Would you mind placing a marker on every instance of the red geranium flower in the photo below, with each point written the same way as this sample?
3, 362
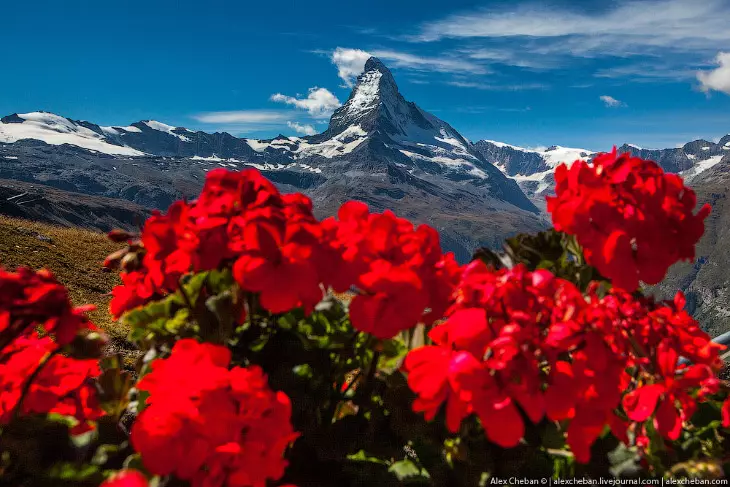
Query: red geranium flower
210, 425
633, 220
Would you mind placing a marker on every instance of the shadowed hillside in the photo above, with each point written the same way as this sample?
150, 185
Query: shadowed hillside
39, 202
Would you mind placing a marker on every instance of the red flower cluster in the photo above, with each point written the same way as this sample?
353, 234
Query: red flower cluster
210, 425
528, 340
401, 273
36, 321
29, 299
273, 242
632, 220
278, 249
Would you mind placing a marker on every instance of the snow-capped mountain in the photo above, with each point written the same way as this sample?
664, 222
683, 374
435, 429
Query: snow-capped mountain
533, 169
378, 148
689, 160
375, 132
56, 130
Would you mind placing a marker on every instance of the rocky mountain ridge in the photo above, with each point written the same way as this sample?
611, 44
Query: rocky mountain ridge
378, 148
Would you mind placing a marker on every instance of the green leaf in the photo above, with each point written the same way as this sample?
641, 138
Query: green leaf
394, 350
145, 368
114, 385
304, 371
177, 322
151, 311
193, 285
71, 471
220, 280
259, 344
406, 469
624, 461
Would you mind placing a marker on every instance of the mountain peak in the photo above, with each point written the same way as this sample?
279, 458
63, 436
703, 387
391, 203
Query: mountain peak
375, 64
375, 104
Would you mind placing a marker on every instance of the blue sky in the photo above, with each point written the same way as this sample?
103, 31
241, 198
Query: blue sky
582, 74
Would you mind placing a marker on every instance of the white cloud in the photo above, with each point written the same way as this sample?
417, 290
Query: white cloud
304, 129
653, 22
629, 28
649, 72
243, 116
351, 62
444, 64
494, 87
611, 102
717, 79
320, 102
509, 56
241, 122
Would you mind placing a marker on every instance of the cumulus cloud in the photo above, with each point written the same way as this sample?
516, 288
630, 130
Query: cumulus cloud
717, 79
611, 102
320, 102
351, 62
304, 129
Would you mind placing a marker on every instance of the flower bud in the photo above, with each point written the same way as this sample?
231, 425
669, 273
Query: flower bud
119, 236
113, 259
89, 344
130, 262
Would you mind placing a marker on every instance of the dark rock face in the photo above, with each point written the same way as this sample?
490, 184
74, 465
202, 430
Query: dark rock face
679, 159
14, 118
515, 161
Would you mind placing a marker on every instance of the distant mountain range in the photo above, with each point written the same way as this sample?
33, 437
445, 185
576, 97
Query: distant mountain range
533, 169
378, 148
